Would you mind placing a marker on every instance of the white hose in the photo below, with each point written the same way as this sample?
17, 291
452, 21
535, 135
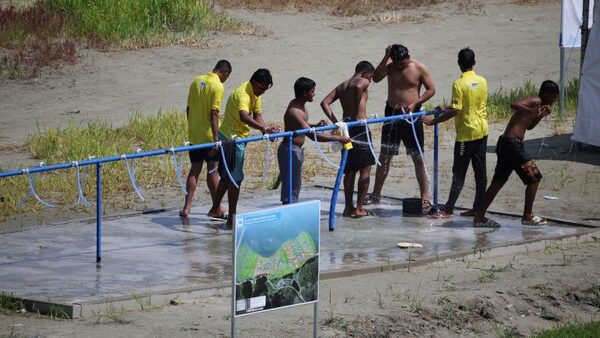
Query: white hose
178, 163
31, 178
321, 152
369, 142
220, 145
412, 121
131, 173
267, 158
81, 198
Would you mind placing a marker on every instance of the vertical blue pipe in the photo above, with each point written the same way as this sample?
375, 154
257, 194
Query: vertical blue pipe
290, 176
98, 212
336, 187
435, 165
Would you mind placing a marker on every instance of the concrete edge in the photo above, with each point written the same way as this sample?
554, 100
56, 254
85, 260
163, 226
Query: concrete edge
152, 299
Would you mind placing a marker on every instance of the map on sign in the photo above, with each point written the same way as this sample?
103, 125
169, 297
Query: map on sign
277, 257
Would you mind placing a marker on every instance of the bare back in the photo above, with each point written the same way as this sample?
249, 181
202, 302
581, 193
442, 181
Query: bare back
527, 112
353, 96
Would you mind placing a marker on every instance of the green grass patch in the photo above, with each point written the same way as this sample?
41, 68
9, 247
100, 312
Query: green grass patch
10, 303
139, 22
100, 139
499, 102
48, 32
585, 330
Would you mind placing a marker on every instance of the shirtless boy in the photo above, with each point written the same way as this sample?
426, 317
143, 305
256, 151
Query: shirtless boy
512, 155
353, 96
405, 77
296, 117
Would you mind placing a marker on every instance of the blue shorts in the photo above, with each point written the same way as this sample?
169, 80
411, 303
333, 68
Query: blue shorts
234, 156
297, 160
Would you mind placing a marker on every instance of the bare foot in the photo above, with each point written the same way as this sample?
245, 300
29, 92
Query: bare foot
217, 213
441, 214
358, 213
348, 212
372, 199
184, 213
426, 205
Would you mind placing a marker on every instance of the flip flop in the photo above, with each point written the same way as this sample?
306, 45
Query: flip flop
221, 218
488, 223
535, 220
369, 213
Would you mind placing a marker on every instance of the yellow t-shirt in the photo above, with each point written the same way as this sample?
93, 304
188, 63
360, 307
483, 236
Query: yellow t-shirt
205, 94
242, 98
469, 95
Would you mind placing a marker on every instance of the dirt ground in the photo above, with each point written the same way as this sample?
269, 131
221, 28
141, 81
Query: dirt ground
487, 296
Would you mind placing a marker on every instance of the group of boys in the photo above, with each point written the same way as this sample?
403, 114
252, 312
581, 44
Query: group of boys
406, 77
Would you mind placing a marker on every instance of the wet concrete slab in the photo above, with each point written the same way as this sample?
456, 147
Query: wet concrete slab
162, 254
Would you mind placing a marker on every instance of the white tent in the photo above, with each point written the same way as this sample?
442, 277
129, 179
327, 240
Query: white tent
571, 26
587, 125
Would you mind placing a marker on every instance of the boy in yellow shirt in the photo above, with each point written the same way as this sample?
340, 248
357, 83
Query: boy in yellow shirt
242, 112
469, 110
203, 107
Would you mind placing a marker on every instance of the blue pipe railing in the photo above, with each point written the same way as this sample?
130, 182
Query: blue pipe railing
289, 134
99, 212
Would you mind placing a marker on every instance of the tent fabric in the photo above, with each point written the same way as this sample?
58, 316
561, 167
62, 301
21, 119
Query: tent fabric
571, 21
587, 125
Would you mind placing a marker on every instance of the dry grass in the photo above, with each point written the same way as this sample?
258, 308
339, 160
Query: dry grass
336, 7
396, 17
532, 2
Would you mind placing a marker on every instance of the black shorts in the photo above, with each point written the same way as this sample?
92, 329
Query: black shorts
360, 155
201, 155
513, 156
400, 130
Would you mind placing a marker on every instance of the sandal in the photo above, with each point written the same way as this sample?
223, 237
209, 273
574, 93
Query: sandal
535, 220
221, 218
488, 223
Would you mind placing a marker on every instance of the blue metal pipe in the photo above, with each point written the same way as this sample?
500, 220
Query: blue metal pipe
336, 188
435, 166
204, 146
98, 213
290, 174
98, 162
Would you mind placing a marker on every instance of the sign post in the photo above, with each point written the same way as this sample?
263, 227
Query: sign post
276, 260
